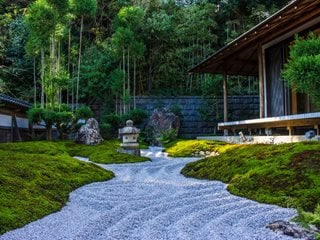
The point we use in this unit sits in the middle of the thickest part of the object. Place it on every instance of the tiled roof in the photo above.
(18, 102)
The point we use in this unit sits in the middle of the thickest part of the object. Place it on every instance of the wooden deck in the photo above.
(290, 121)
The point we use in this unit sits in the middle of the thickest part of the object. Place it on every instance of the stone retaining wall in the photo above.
(193, 125)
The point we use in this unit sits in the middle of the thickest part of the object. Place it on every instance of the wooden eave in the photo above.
(8, 103)
(240, 57)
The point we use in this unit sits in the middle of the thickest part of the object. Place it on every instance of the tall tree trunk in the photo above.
(128, 92)
(42, 77)
(34, 82)
(134, 83)
(72, 89)
(116, 104)
(52, 72)
(150, 79)
(124, 80)
(79, 63)
(59, 90)
(69, 61)
(49, 132)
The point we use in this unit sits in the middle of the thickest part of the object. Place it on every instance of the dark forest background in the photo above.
(125, 48)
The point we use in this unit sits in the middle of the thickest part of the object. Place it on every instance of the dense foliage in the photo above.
(303, 68)
(62, 118)
(109, 51)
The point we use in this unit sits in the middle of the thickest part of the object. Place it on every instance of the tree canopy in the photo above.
(70, 51)
(303, 68)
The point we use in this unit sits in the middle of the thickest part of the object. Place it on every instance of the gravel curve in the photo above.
(152, 200)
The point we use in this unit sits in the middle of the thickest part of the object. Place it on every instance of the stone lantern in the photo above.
(129, 136)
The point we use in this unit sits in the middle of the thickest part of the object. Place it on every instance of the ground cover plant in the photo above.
(187, 148)
(103, 153)
(37, 177)
(286, 174)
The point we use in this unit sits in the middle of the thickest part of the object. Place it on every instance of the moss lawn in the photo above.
(287, 175)
(37, 177)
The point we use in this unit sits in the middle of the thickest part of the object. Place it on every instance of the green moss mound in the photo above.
(286, 174)
(187, 148)
(37, 177)
(103, 153)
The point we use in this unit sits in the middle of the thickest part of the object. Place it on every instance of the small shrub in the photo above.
(35, 115)
(168, 135)
(147, 136)
(106, 130)
(306, 218)
(83, 112)
(64, 123)
(177, 111)
(113, 120)
(138, 116)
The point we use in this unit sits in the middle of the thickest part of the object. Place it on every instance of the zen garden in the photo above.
(159, 120)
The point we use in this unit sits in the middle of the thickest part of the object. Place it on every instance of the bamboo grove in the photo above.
(55, 52)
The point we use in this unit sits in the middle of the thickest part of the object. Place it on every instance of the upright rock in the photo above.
(160, 121)
(89, 133)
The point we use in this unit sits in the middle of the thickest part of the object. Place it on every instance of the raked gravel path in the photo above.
(152, 200)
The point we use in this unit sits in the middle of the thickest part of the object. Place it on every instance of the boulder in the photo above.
(89, 133)
(310, 134)
(161, 121)
(293, 230)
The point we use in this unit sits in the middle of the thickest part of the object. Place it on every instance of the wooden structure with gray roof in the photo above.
(14, 125)
(262, 51)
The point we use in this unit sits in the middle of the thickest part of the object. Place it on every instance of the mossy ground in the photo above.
(186, 148)
(37, 177)
(103, 153)
(286, 174)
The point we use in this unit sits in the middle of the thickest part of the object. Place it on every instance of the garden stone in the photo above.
(293, 230)
(310, 134)
(161, 121)
(89, 133)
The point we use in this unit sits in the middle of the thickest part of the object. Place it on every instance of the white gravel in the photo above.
(152, 200)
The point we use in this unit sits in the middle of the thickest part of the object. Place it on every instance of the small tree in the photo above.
(37, 115)
(303, 68)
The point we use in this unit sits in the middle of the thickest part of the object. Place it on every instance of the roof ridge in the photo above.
(13, 100)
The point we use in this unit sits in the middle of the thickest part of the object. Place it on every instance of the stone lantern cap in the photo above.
(129, 129)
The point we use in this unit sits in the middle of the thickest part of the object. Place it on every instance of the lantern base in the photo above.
(131, 151)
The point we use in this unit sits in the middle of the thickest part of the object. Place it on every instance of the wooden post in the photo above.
(31, 131)
(12, 130)
(294, 102)
(261, 81)
(225, 100)
(316, 127)
(16, 127)
(291, 130)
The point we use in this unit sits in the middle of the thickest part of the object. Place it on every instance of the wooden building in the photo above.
(14, 125)
(262, 51)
